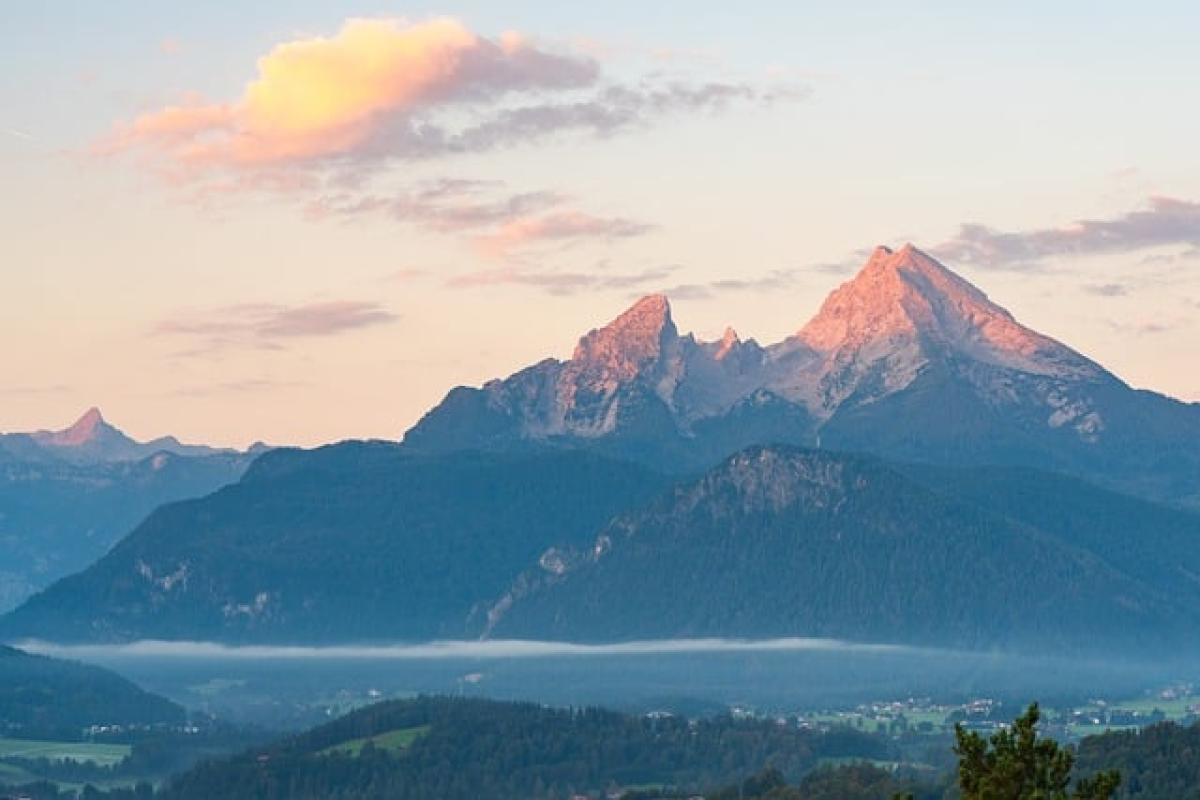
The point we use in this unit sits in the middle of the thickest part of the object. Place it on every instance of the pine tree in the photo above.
(1016, 765)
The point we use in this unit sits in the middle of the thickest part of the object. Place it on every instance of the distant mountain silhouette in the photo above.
(67, 496)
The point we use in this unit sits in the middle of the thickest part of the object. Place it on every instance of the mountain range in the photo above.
(348, 542)
(66, 496)
(92, 440)
(783, 541)
(906, 360)
(913, 466)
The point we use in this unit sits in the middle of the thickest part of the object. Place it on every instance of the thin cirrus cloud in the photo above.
(1107, 289)
(498, 226)
(384, 89)
(772, 281)
(1163, 222)
(264, 325)
(447, 205)
(564, 283)
(563, 227)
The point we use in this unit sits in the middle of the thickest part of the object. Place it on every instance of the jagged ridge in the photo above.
(907, 359)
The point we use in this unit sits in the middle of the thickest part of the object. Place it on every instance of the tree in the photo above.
(1016, 765)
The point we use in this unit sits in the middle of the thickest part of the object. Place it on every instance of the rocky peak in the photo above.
(907, 299)
(626, 346)
(729, 340)
(88, 428)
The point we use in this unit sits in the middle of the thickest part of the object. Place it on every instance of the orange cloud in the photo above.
(325, 97)
(383, 89)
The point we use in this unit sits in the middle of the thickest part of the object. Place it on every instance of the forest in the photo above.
(450, 748)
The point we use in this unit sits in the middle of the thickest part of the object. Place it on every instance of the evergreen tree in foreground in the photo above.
(1015, 765)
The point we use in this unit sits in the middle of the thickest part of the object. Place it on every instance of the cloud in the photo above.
(1164, 222)
(1150, 327)
(772, 281)
(498, 225)
(322, 319)
(1172, 260)
(1107, 289)
(563, 283)
(263, 325)
(612, 110)
(384, 89)
(447, 206)
(327, 96)
(688, 291)
(561, 227)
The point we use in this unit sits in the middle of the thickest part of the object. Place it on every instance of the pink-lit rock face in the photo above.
(907, 296)
(629, 344)
(902, 315)
(728, 342)
(91, 439)
(86, 429)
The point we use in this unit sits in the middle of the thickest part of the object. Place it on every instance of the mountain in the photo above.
(633, 388)
(785, 541)
(906, 360)
(496, 513)
(367, 541)
(67, 496)
(349, 542)
(42, 696)
(465, 748)
(92, 440)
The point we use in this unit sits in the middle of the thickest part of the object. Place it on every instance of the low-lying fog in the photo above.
(293, 685)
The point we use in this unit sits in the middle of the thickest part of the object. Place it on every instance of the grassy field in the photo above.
(1173, 709)
(100, 754)
(392, 741)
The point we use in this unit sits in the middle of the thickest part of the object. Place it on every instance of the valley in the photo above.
(693, 534)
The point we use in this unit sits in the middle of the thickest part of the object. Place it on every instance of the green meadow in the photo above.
(391, 741)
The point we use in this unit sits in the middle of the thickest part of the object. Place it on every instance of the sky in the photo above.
(303, 221)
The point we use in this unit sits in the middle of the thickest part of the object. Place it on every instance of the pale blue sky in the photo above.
(904, 122)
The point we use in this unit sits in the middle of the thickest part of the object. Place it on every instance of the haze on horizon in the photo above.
(306, 221)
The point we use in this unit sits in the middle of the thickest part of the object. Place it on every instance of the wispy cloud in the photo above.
(497, 223)
(381, 90)
(1164, 222)
(558, 227)
(770, 281)
(564, 283)
(1150, 327)
(1107, 289)
(263, 325)
(447, 206)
